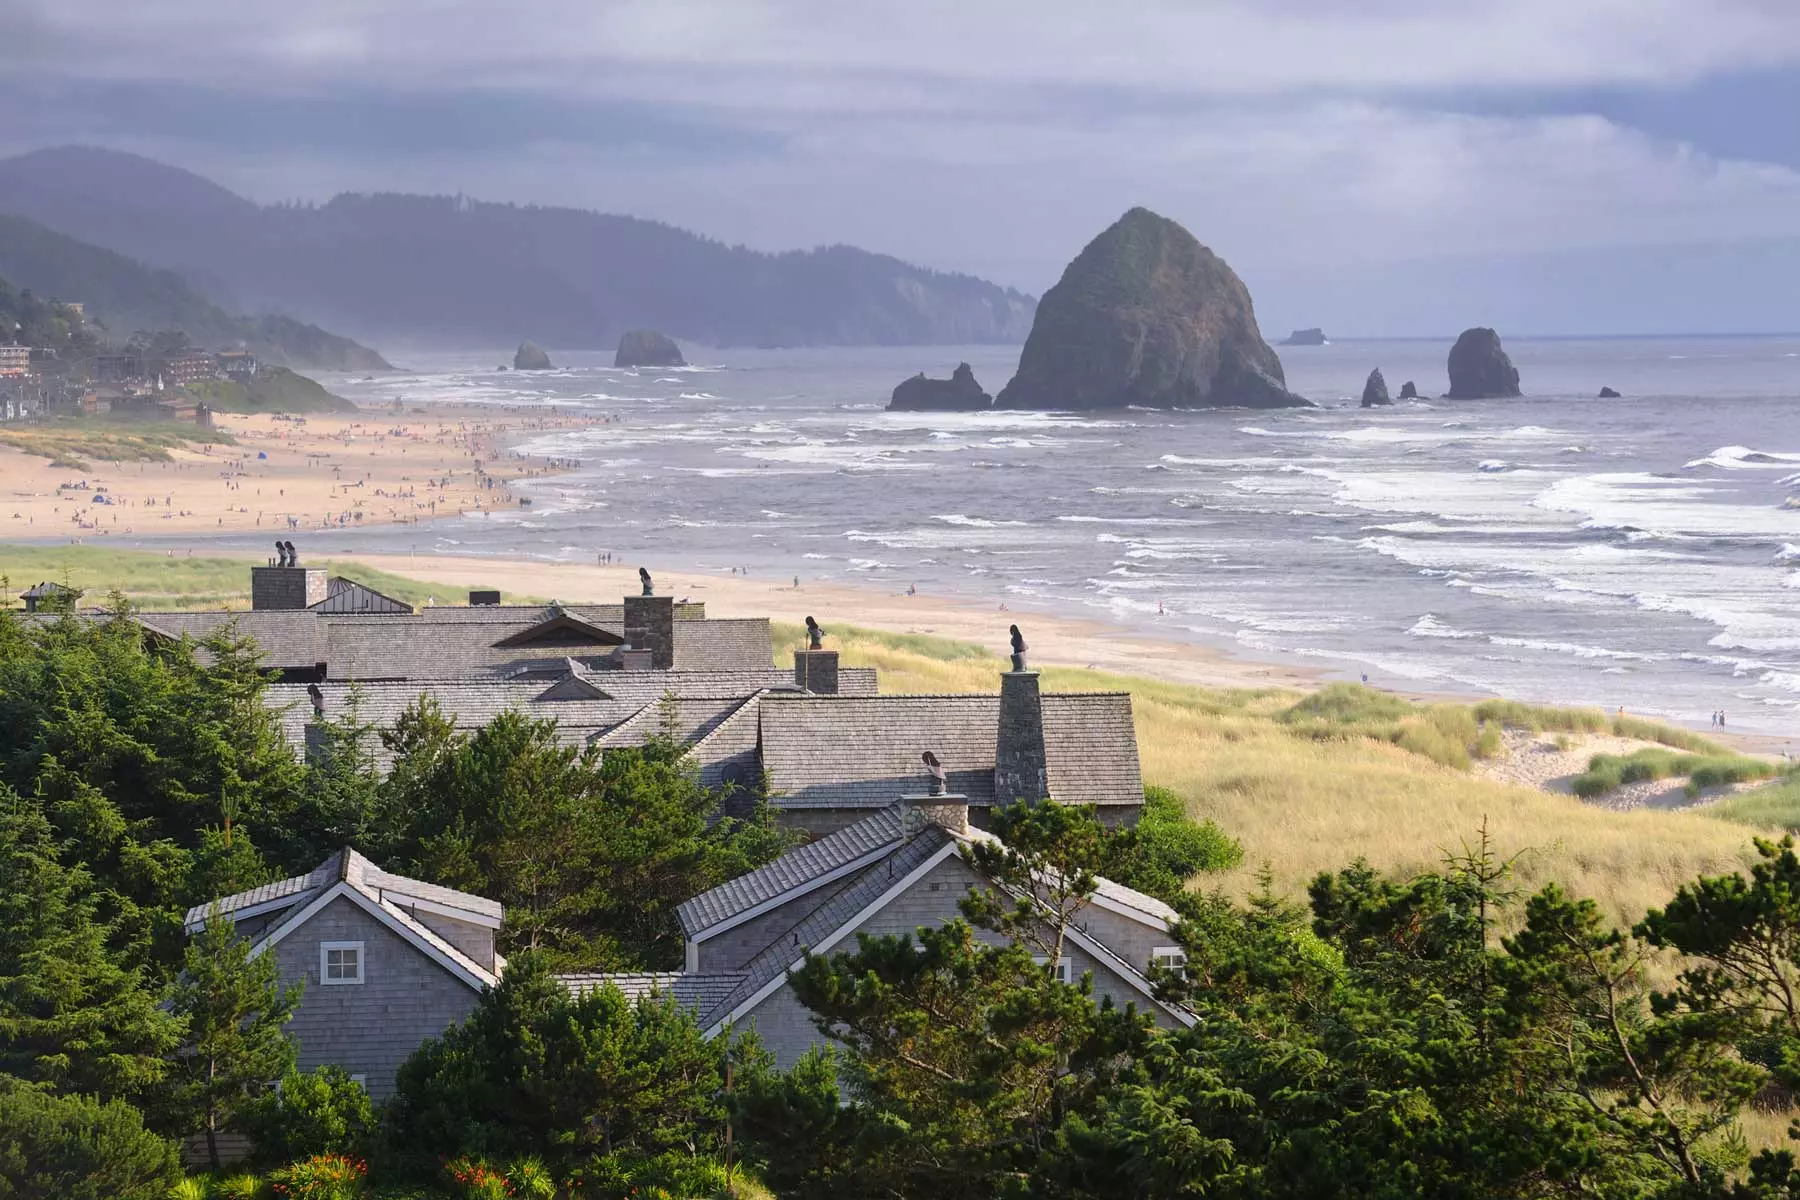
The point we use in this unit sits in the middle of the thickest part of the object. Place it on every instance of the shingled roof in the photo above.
(861, 752)
(391, 899)
(697, 992)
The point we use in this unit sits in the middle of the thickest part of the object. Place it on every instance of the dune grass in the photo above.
(157, 582)
(1307, 784)
(1608, 771)
(71, 444)
(1776, 807)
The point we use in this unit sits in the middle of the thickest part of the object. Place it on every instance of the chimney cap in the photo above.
(939, 777)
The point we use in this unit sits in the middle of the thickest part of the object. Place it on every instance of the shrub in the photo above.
(77, 1148)
(322, 1177)
(1608, 771)
(1167, 848)
(314, 1113)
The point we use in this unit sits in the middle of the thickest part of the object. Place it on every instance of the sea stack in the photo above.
(1146, 316)
(1375, 393)
(959, 393)
(1607, 393)
(1306, 337)
(648, 348)
(1479, 368)
(530, 357)
(1409, 390)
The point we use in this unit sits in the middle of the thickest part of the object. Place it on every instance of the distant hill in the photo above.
(124, 296)
(271, 389)
(451, 271)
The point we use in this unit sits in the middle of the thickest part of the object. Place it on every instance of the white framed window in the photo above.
(1169, 958)
(340, 962)
(1065, 970)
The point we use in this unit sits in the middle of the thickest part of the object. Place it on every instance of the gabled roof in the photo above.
(853, 873)
(687, 718)
(792, 875)
(561, 628)
(862, 751)
(348, 596)
(390, 899)
(48, 588)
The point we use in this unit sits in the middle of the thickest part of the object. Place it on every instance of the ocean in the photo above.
(1633, 552)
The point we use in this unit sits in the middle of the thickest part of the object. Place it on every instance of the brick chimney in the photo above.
(1021, 768)
(650, 625)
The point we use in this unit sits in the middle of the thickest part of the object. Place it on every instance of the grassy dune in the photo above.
(71, 444)
(156, 581)
(1305, 793)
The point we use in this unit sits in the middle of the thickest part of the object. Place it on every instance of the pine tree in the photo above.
(71, 1016)
(235, 1007)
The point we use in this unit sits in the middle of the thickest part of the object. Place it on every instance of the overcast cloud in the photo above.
(1384, 167)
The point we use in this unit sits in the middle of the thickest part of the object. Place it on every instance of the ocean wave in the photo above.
(1743, 458)
(1428, 626)
(974, 522)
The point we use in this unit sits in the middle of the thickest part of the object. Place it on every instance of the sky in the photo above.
(1379, 167)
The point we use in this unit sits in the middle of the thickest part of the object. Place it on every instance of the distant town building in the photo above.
(15, 360)
(179, 370)
(237, 365)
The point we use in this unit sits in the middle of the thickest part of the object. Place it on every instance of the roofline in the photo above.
(1126, 910)
(396, 921)
(880, 902)
(781, 898)
(439, 908)
(834, 696)
(1125, 971)
(195, 924)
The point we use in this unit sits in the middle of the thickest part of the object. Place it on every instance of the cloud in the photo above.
(801, 54)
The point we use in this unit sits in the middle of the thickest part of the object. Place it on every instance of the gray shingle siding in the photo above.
(476, 941)
(370, 1028)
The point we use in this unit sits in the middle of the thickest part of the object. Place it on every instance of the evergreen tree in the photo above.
(71, 1016)
(78, 1148)
(235, 1008)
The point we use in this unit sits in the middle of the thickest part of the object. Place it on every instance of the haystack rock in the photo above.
(648, 348)
(1607, 393)
(1146, 316)
(1479, 368)
(1409, 390)
(959, 393)
(1375, 393)
(530, 357)
(1306, 337)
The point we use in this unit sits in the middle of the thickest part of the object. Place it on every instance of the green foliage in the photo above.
(72, 1016)
(1607, 772)
(1167, 848)
(311, 1113)
(77, 1148)
(28, 321)
(322, 1177)
(270, 390)
(234, 1007)
(537, 1072)
(590, 854)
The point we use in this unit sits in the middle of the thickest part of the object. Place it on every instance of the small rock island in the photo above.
(1607, 393)
(1375, 393)
(959, 393)
(1306, 337)
(1479, 368)
(648, 348)
(1409, 390)
(531, 357)
(1147, 317)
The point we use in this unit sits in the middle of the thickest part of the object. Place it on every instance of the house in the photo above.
(15, 360)
(386, 961)
(237, 365)
(892, 872)
(36, 597)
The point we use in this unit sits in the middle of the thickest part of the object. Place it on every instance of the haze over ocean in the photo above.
(1629, 552)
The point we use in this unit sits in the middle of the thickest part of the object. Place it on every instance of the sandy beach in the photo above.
(284, 473)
